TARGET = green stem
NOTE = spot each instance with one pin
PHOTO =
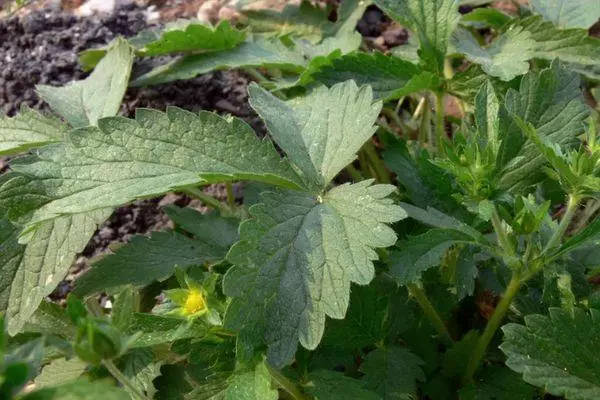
(421, 297)
(572, 205)
(492, 326)
(123, 380)
(381, 171)
(203, 197)
(440, 130)
(354, 173)
(425, 126)
(286, 384)
(230, 197)
(503, 239)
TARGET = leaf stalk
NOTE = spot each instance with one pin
(285, 384)
(572, 205)
(421, 297)
(123, 380)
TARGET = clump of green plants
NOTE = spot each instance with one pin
(383, 250)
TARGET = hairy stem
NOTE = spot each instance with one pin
(425, 126)
(431, 313)
(230, 197)
(285, 384)
(123, 380)
(572, 205)
(203, 197)
(381, 173)
(354, 173)
(440, 130)
(492, 326)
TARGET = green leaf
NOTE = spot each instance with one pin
(330, 385)
(267, 53)
(485, 18)
(11, 253)
(552, 102)
(146, 259)
(60, 371)
(123, 159)
(295, 262)
(497, 383)
(28, 130)
(554, 352)
(572, 46)
(84, 102)
(212, 229)
(81, 389)
(155, 329)
(254, 384)
(322, 132)
(389, 76)
(393, 372)
(466, 84)
(568, 13)
(419, 253)
(589, 235)
(432, 20)
(45, 261)
(301, 21)
(506, 57)
(140, 366)
(194, 38)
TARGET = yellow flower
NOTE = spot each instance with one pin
(194, 303)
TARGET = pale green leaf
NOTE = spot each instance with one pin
(60, 371)
(11, 253)
(389, 76)
(419, 253)
(84, 102)
(322, 132)
(81, 389)
(506, 57)
(146, 259)
(27, 130)
(194, 37)
(556, 352)
(295, 262)
(254, 384)
(141, 367)
(432, 20)
(153, 329)
(552, 102)
(393, 372)
(124, 159)
(349, 13)
(255, 53)
(330, 385)
(568, 13)
(50, 250)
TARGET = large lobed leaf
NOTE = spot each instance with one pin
(124, 159)
(296, 260)
(432, 20)
(568, 13)
(557, 352)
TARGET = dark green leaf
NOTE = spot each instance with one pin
(498, 383)
(329, 385)
(81, 389)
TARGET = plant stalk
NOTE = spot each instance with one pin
(492, 326)
(123, 380)
(425, 126)
(354, 173)
(431, 313)
(572, 205)
(286, 384)
(230, 197)
(381, 173)
(440, 130)
(203, 197)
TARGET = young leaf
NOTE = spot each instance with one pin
(124, 159)
(256, 53)
(432, 20)
(145, 259)
(81, 389)
(389, 76)
(322, 132)
(27, 130)
(393, 372)
(553, 352)
(194, 37)
(45, 261)
(140, 366)
(505, 58)
(83, 103)
(330, 385)
(295, 262)
(552, 103)
(60, 371)
(568, 13)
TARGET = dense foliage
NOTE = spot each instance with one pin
(452, 258)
